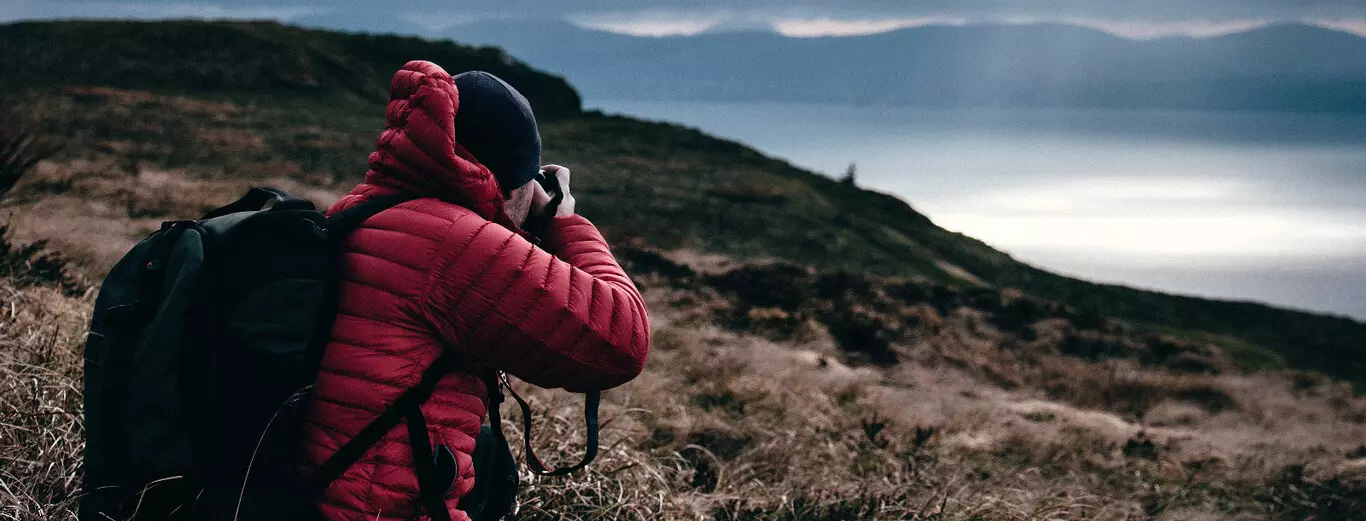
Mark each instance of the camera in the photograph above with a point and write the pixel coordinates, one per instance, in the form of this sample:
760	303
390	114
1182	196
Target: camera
551	184
539	224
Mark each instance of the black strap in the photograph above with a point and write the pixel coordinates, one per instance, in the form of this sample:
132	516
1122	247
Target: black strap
495	383
430	493
367	437
344	222
255	199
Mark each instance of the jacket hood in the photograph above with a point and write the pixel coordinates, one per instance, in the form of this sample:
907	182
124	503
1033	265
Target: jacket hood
419	152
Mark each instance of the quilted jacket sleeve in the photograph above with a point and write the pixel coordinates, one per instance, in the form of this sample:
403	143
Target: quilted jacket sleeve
571	320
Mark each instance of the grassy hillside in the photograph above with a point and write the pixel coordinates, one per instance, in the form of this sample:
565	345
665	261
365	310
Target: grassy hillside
256	101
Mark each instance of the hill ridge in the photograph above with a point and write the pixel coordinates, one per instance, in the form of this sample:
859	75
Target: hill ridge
264	55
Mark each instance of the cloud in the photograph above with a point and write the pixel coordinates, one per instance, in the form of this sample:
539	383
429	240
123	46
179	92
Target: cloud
1147	30
1351	25
811	27
648	26
670	22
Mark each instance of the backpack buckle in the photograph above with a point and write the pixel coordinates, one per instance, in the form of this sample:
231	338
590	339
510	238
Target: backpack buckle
171	225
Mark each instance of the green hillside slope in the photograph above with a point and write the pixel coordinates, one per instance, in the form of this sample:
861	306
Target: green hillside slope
262	100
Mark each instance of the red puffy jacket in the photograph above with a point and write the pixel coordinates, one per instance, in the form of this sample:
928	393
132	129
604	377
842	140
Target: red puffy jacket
452	272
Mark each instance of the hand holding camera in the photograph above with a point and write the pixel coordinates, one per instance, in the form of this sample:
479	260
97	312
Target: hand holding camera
552	184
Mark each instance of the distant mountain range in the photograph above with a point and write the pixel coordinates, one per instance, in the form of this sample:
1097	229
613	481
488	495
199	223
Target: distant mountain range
1286	67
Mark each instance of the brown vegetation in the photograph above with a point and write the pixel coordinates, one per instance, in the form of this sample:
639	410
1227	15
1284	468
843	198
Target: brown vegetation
21	146
41	332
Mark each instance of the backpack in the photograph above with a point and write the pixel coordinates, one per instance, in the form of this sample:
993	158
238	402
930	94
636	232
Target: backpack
204	342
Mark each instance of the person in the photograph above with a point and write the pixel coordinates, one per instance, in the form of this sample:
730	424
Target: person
454	270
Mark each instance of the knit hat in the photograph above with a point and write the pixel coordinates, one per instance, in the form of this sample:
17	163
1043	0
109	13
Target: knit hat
495	123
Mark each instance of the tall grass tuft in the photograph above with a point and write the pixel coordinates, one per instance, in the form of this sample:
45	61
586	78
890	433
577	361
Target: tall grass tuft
41	444
22	145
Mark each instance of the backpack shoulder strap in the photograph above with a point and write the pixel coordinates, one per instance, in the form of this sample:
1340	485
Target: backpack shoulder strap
333	468
258	198
343	222
495	382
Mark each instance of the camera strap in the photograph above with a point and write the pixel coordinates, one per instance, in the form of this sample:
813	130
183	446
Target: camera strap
496	382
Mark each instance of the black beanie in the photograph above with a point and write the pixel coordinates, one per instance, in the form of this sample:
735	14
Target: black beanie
494	122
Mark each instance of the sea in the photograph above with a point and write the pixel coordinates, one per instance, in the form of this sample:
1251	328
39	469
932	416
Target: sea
1256	206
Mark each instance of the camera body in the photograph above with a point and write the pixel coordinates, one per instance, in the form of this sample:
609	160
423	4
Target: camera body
539	224
551	184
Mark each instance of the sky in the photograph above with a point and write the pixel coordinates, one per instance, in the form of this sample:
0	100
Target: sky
1129	18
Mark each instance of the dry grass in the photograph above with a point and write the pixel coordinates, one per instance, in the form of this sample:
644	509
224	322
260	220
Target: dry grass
41	332
22	145
728	426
